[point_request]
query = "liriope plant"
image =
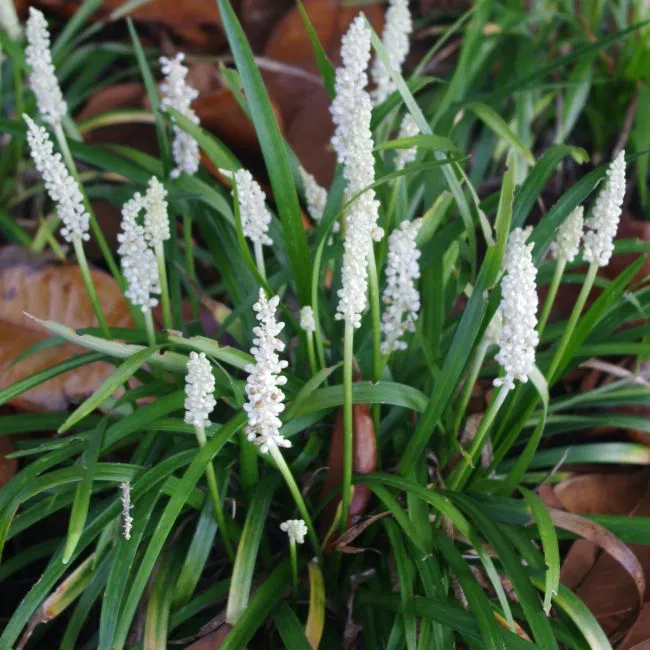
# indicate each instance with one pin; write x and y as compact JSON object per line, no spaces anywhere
{"x":193,"y":501}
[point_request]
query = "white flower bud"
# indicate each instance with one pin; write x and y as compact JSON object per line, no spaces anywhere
{"x":598,"y":241}
{"x":42,"y":78}
{"x":567,"y":241}
{"x":139,"y":264}
{"x":62,"y":188}
{"x":401,"y":298}
{"x":156,"y":219}
{"x":307,"y":321}
{"x":127,"y":519}
{"x":199,"y":391}
{"x":518,"y":338}
{"x":9,"y":22}
{"x":265,"y":397}
{"x":397,"y":29}
{"x":179,"y":95}
{"x":255,"y":217}
{"x":408,"y":129}
{"x":296,"y":529}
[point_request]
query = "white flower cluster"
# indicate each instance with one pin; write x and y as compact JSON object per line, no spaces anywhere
{"x":179,"y":95}
{"x":199,"y":389}
{"x":315,"y":196}
{"x":265,"y":397}
{"x":296,"y":529}
{"x":9,"y":22}
{"x":351,"y":112}
{"x":518,"y":338}
{"x":42,"y":78}
{"x":138,"y":258}
{"x":598,"y":241}
{"x":62,"y":188}
{"x":408,"y":129}
{"x":156,"y":219}
{"x":401,"y":298}
{"x":255,"y":217}
{"x":307,"y":321}
{"x":127,"y":519}
{"x":567,"y":242}
{"x":397,"y":29}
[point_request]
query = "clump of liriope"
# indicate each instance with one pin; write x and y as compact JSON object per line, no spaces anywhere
{"x":199,"y":404}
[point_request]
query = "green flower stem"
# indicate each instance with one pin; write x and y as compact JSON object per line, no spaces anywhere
{"x":470,"y":381}
{"x":311,"y":353}
{"x":259,"y":260}
{"x":294,"y":563}
{"x":348,"y":424}
{"x":94,"y":226}
{"x":90,"y":287}
{"x":550,"y":296}
{"x":214,"y":495}
{"x":190,"y":265}
{"x":277,"y":456}
{"x":590,"y":278}
{"x":164,"y":286}
{"x":148,"y":322}
{"x":461,"y":472}
{"x":375,"y":309}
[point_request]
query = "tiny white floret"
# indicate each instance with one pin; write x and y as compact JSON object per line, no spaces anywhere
{"x":296,"y":529}
{"x":307,"y":320}
{"x":254,"y":215}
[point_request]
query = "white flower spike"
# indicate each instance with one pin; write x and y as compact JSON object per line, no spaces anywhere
{"x":518,"y":338}
{"x":156,"y":219}
{"x":351,"y":112}
{"x":255,"y":217}
{"x":307,"y":321}
{"x":296,"y":529}
{"x":265,"y":397}
{"x":567,"y":242}
{"x":199,"y":391}
{"x":598,"y":241}
{"x":408,"y":129}
{"x":138,"y":259}
{"x":397,"y":30}
{"x":127,"y":519}
{"x":9,"y":22}
{"x":61,"y":187}
{"x":179,"y":95}
{"x":401,"y":297}
{"x":42,"y":78}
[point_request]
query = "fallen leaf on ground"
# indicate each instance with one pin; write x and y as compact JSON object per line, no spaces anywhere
{"x":50,"y":291}
{"x":212,"y":641}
